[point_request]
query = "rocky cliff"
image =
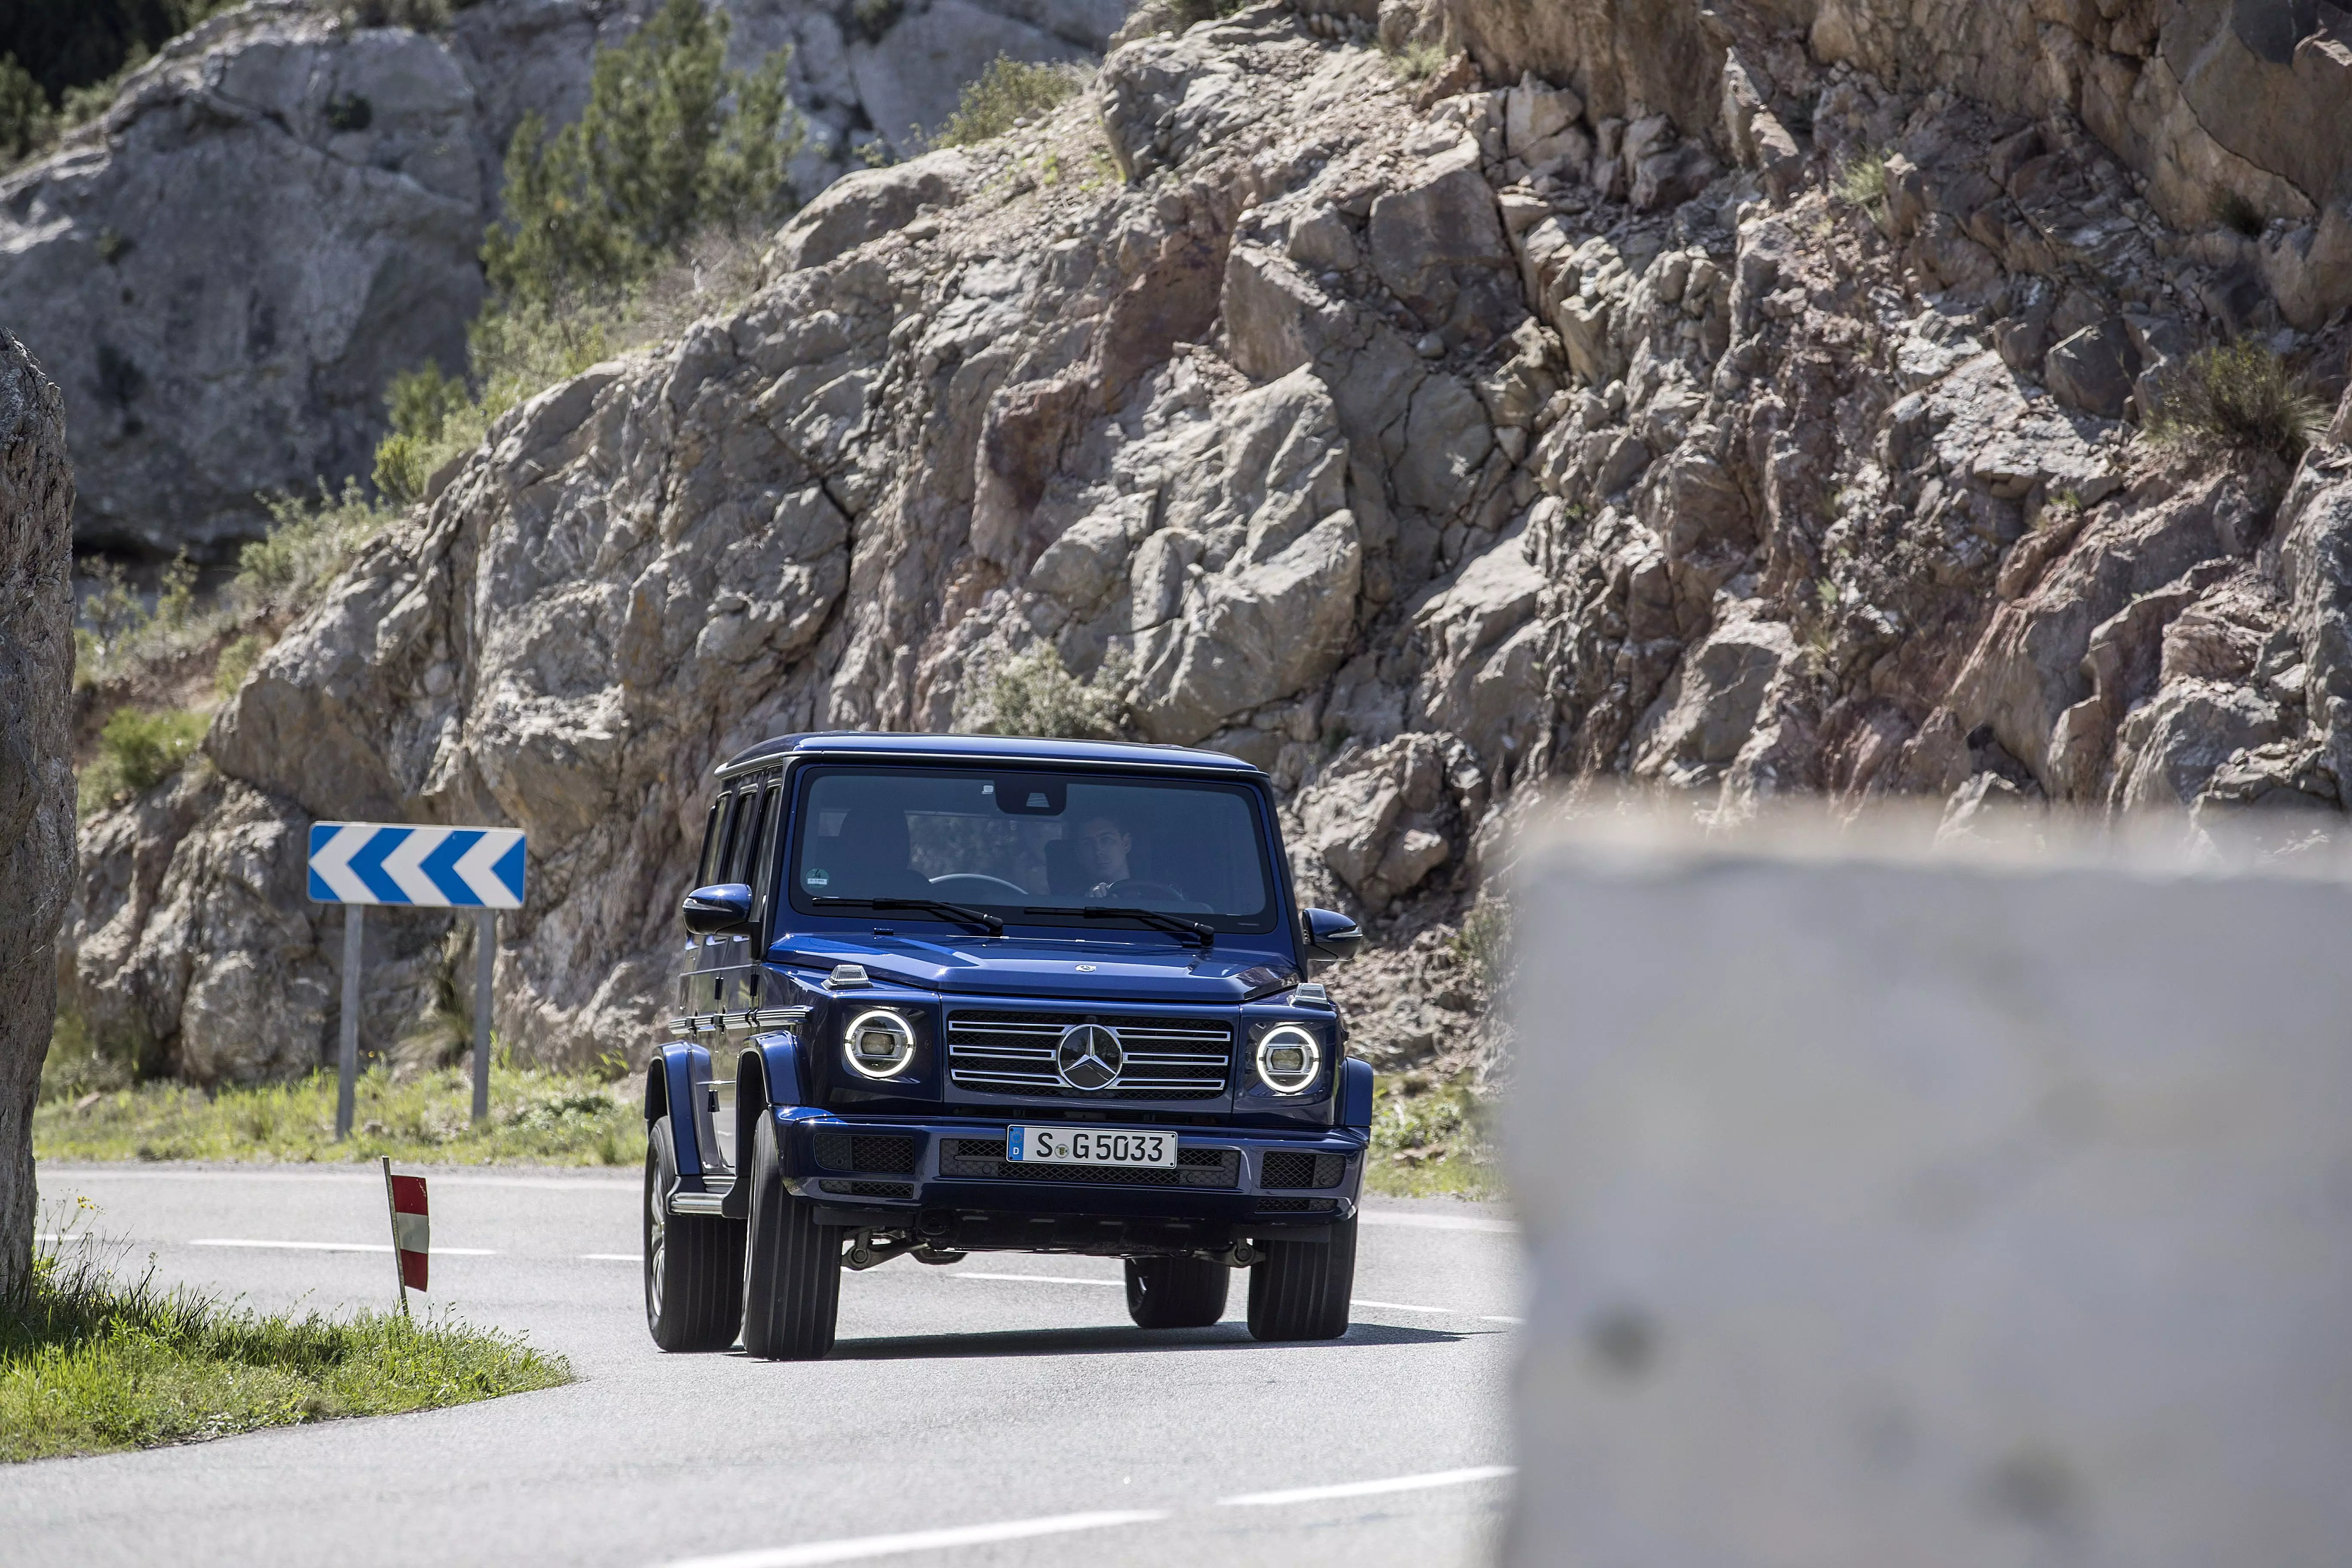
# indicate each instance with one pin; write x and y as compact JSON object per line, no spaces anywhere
{"x":1755,"y":403}
{"x":37,"y":787}
{"x":282,"y":211}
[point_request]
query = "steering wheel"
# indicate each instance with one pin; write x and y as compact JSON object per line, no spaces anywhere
{"x":982,"y":885}
{"x":1135,"y":888}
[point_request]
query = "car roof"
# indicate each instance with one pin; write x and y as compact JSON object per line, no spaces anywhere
{"x":966,"y":749}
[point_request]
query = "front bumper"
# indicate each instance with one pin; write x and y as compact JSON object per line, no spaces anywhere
{"x":1235,"y":1183}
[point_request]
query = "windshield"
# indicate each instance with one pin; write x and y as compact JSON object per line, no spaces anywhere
{"x":1013,"y":843}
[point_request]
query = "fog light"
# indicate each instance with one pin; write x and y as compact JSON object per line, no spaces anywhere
{"x":878,"y":1044}
{"x":1288,"y":1057}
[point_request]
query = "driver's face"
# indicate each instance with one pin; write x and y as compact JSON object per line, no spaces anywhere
{"x":1102,"y":849}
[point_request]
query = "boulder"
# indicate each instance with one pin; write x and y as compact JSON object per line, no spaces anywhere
{"x":1376,"y":817}
{"x":870,"y":204}
{"x":2093,"y":371}
{"x":37,"y":784}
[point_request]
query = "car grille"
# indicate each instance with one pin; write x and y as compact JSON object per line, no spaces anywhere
{"x":1297,"y":1205}
{"x":865,"y":1152}
{"x":1013,"y":1053}
{"x":1301,"y":1168}
{"x":984,"y":1158}
{"x":866,"y":1189}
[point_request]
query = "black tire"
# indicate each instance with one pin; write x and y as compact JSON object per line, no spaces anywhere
{"x":1299,"y":1290}
{"x":1176,"y":1293}
{"x":693,"y":1263}
{"x":791,"y":1275}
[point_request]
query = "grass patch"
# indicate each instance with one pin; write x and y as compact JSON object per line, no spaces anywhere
{"x":1861,"y":183}
{"x":92,"y":1365}
{"x":1005,"y":94}
{"x":537,"y":1117}
{"x":2239,"y":398}
{"x":1430,"y":1143}
{"x":1417,"y":62}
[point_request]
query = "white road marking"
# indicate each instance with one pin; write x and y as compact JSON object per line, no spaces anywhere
{"x":918,"y":1541}
{"x":341,"y":1246}
{"x":1498,"y":1317}
{"x":1369,"y":1489}
{"x":1037,"y":1279}
{"x":1406,"y":1307}
{"x":441,"y":1175}
{"x":1419,"y":1221}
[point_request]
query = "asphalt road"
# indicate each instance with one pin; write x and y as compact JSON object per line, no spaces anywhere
{"x":1001,"y":1410}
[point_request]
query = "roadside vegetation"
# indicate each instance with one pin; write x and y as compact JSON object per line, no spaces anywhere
{"x":92,"y":1107}
{"x":1431,"y":1139}
{"x":92,"y":1361}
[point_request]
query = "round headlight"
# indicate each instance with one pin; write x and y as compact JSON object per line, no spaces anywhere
{"x":877,"y":1044}
{"x":1288,"y":1057}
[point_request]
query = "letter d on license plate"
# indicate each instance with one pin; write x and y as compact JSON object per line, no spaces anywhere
{"x":1035,"y":1145}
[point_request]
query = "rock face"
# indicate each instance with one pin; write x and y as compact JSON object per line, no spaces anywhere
{"x":282,"y":211}
{"x":37,"y":787}
{"x":1420,"y":444}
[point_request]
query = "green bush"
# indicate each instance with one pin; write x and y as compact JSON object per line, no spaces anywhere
{"x":27,"y":121}
{"x":312,"y":539}
{"x":2239,"y":398}
{"x":1035,"y":694}
{"x":1005,"y":93}
{"x":145,"y":749}
{"x":671,"y":141}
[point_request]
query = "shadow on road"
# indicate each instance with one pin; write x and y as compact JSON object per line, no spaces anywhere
{"x":1115,"y":1340}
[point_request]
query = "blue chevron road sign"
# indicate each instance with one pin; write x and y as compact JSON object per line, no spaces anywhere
{"x":428,"y":868}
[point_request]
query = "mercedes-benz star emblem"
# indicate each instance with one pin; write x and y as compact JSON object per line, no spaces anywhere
{"x":1090,"y":1056}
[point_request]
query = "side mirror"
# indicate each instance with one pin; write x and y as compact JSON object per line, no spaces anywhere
{"x":1332,"y":937}
{"x":723,"y":909}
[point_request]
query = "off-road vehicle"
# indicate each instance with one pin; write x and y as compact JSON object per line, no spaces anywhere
{"x":945,"y":995}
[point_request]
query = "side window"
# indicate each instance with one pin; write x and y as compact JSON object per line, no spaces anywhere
{"x":729,"y":850}
{"x":763,"y":861}
{"x":709,"y":856}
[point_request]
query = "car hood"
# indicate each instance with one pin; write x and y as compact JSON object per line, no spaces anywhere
{"x":1063,"y":969}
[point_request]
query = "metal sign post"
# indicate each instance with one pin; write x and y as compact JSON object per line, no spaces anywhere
{"x":356,"y":864}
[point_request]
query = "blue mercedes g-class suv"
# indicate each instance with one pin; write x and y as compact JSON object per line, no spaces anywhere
{"x":950,"y":994}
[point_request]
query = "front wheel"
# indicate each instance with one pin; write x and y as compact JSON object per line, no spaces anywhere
{"x":1299,"y":1290}
{"x":791,"y":1279}
{"x":693,"y":1263}
{"x":1176,"y":1293}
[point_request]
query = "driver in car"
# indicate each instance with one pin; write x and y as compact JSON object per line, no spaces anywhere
{"x":1102,"y":850}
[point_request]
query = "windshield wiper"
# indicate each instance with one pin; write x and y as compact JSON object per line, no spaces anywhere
{"x":987,"y":923}
{"x":1175,"y":925}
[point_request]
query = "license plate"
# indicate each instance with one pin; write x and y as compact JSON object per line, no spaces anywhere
{"x":1087,"y":1146}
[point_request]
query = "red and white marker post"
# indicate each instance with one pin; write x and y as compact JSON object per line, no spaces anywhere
{"x":412,"y":1230}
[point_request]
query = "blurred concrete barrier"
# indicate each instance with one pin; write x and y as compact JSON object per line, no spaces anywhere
{"x":1892,"y":1209}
